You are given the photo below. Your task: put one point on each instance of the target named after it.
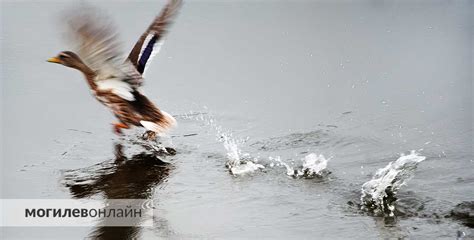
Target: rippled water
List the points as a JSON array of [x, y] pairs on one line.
[[285, 112]]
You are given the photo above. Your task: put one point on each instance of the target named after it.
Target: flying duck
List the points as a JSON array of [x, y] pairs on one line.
[[116, 82]]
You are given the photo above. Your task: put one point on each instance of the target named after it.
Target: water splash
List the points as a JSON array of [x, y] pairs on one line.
[[238, 162], [158, 146], [231, 146], [313, 165], [244, 167], [289, 170], [378, 194]]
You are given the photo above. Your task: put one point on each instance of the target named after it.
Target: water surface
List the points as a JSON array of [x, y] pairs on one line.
[[358, 82]]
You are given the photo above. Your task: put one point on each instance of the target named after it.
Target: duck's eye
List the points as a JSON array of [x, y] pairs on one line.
[[62, 56]]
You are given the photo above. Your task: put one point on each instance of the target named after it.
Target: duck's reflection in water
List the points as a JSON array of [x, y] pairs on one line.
[[122, 178]]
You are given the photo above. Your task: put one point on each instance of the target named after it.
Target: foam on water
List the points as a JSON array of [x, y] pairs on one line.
[[378, 194]]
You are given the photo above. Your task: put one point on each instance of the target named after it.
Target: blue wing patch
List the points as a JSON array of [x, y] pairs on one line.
[[146, 54]]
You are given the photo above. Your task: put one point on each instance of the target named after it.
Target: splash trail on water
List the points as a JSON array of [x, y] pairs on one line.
[[378, 194], [239, 162]]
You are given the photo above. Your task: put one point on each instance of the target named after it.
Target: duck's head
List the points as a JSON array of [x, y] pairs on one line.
[[68, 59]]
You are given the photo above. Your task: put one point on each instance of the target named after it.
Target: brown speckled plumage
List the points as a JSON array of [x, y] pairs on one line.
[[114, 82]]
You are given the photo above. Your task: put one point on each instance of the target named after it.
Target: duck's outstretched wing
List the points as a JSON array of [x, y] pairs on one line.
[[96, 41], [151, 40]]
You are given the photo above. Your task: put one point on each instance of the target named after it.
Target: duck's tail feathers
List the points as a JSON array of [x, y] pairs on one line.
[[166, 123]]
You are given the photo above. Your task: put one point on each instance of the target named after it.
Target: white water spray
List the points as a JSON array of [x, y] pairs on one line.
[[313, 165], [378, 193], [238, 162]]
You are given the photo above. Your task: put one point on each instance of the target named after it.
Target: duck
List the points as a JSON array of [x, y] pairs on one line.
[[114, 81]]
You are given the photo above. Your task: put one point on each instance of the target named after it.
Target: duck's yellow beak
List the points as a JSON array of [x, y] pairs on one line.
[[54, 60]]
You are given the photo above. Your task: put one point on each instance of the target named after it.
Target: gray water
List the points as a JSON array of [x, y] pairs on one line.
[[357, 82]]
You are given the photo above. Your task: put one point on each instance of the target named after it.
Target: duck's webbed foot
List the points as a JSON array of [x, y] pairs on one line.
[[149, 135], [118, 128]]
